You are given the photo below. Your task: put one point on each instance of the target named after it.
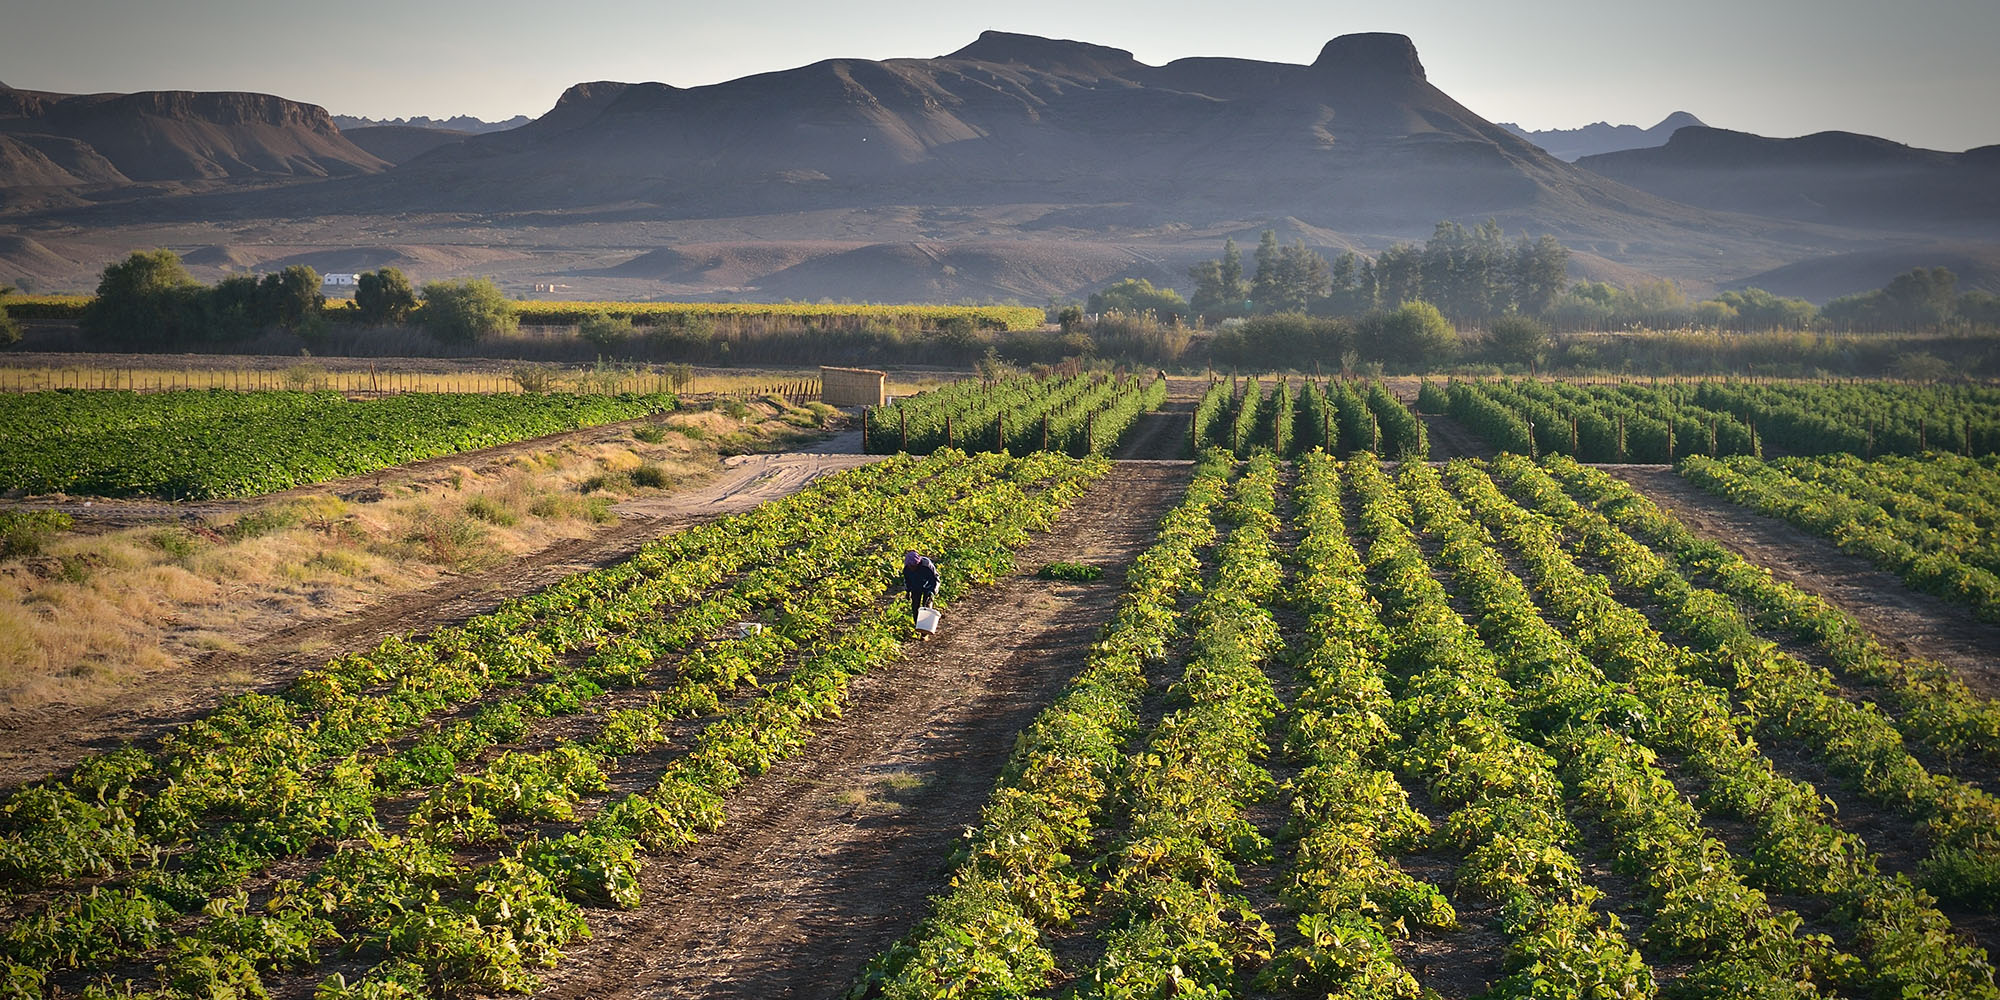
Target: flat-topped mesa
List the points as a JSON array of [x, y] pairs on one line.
[[1052, 54], [1371, 55]]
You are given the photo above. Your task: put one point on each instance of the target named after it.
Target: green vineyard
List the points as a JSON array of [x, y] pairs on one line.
[[217, 443], [1491, 673], [1665, 423], [360, 807], [1079, 415]]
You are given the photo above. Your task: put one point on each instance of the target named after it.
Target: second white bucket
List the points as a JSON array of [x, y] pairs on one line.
[[927, 619]]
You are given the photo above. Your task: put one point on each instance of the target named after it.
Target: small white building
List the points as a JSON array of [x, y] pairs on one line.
[[341, 280]]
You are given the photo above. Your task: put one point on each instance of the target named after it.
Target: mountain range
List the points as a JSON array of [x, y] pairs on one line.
[[1568, 144], [1017, 167], [456, 123]]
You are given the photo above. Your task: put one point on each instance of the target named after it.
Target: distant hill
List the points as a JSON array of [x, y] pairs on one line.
[[1835, 178], [1357, 141], [1015, 167], [1822, 278], [401, 143], [54, 140], [1568, 144], [459, 123]]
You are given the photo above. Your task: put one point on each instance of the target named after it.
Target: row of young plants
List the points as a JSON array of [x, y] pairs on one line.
[[1350, 814], [251, 757], [1022, 870], [204, 444], [807, 583], [1663, 423], [1086, 414], [1589, 423], [1927, 558], [1933, 706], [1867, 419], [1954, 496], [1459, 723], [1701, 910], [687, 800], [1332, 416], [1174, 920], [1679, 704], [1795, 700]]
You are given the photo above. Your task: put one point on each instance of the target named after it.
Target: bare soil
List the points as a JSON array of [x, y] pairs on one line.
[[1908, 622], [830, 857], [1449, 439], [35, 742]]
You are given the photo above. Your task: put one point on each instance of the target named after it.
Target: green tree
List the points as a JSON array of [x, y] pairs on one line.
[[1417, 333], [234, 308], [1219, 288], [1519, 338], [146, 299], [1230, 270], [461, 312], [1921, 297], [1264, 284], [385, 297], [1138, 297], [1539, 272], [607, 332], [289, 296], [10, 331]]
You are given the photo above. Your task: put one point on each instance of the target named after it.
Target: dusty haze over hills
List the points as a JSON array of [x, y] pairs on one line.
[[1016, 167]]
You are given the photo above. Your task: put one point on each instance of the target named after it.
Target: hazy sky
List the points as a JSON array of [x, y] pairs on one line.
[[1920, 72]]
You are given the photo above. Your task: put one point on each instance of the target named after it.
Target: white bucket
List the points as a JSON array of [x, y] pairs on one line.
[[745, 630], [927, 619]]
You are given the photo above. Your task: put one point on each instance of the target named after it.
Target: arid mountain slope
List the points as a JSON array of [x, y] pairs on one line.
[[1833, 178], [63, 139]]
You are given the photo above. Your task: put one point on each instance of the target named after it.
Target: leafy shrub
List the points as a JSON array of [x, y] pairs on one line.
[[649, 476], [1069, 571], [25, 532]]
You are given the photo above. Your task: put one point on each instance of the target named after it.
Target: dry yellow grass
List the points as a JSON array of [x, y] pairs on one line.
[[93, 615]]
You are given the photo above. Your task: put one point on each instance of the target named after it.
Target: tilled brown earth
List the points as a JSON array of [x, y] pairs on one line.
[[830, 857]]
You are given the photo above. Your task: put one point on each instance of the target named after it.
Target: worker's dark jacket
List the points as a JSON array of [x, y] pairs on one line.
[[920, 577]]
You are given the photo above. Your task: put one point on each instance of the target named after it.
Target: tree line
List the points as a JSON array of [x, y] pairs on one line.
[[149, 300], [1476, 278]]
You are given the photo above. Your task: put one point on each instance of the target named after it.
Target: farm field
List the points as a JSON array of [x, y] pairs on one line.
[[1274, 722]]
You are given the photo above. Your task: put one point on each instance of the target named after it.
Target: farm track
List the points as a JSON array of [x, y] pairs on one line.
[[1909, 623], [35, 743], [1449, 439], [830, 857]]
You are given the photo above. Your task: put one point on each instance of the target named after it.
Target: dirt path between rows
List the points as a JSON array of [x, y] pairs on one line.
[[1449, 439], [47, 739], [831, 856], [1910, 623]]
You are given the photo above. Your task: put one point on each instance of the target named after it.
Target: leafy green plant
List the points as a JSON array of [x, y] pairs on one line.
[[1077, 572]]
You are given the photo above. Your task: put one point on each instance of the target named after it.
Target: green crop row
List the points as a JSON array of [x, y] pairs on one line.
[[1077, 415], [1020, 873], [1954, 564], [217, 443], [823, 567], [1933, 705], [1793, 845]]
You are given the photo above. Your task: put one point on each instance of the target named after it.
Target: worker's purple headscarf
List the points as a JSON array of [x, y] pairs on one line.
[[911, 558]]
